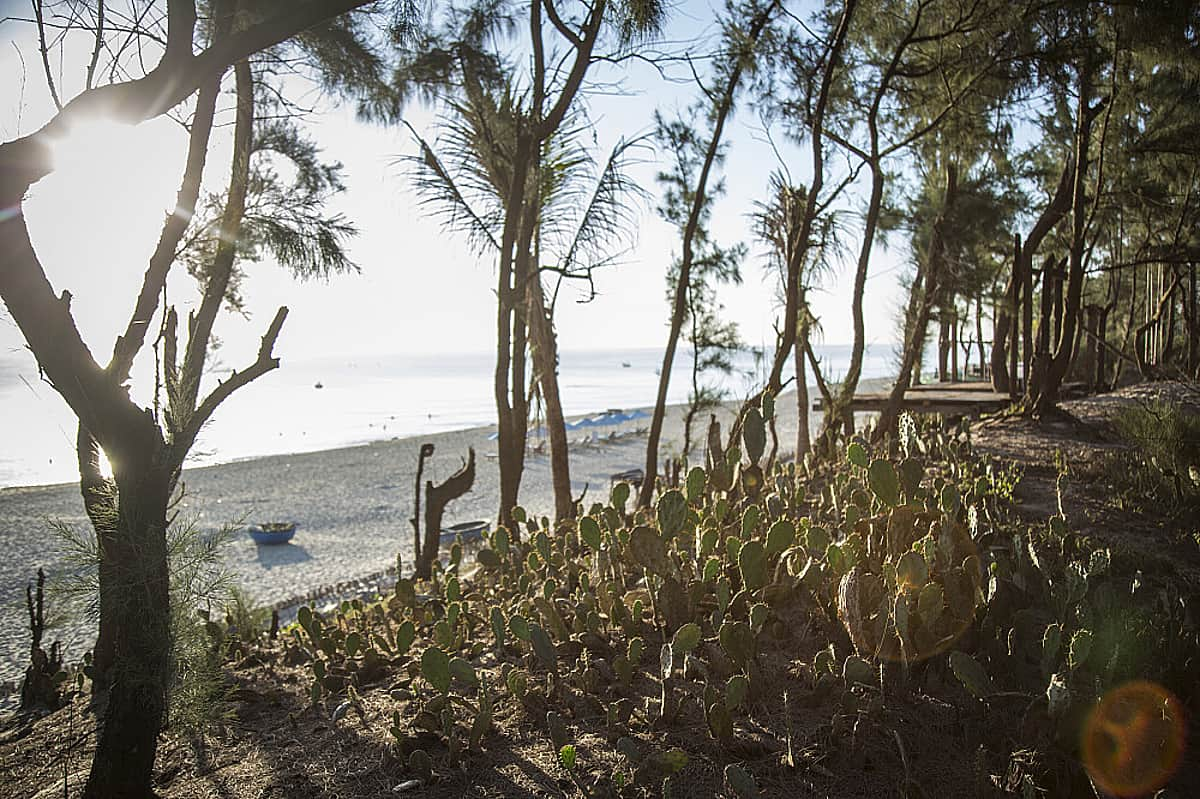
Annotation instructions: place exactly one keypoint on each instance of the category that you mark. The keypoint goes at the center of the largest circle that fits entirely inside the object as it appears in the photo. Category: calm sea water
(358, 400)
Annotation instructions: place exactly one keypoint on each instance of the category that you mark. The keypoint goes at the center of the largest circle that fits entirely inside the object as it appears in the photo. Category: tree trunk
(509, 460)
(523, 272)
(1041, 354)
(1147, 350)
(827, 398)
(794, 303)
(803, 434)
(979, 336)
(1014, 308)
(99, 502)
(679, 305)
(925, 287)
(436, 499)
(943, 346)
(1001, 351)
(1027, 344)
(1090, 348)
(1047, 398)
(545, 362)
(1100, 375)
(137, 692)
(954, 374)
(1193, 356)
(1172, 318)
(1056, 329)
(425, 452)
(854, 368)
(1050, 216)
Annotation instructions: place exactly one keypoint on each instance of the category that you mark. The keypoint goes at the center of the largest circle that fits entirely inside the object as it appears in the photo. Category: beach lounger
(633, 476)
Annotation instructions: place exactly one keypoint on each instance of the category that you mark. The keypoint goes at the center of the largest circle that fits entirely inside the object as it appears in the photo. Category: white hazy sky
(95, 221)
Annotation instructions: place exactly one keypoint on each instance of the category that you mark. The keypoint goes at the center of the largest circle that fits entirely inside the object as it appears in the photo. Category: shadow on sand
(272, 555)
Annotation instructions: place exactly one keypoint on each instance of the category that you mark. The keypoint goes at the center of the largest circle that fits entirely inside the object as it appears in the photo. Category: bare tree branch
(91, 70)
(179, 73)
(265, 362)
(45, 51)
(562, 27)
(128, 345)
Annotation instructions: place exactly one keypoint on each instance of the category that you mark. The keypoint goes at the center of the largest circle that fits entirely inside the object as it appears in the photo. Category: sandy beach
(352, 504)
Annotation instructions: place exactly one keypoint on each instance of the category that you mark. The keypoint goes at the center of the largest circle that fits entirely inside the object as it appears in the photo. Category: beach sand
(352, 505)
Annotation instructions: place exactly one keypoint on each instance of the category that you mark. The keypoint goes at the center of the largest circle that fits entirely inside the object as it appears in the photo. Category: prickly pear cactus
(754, 434)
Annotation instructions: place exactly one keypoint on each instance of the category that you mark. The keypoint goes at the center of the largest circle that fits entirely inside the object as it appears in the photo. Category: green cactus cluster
(853, 572)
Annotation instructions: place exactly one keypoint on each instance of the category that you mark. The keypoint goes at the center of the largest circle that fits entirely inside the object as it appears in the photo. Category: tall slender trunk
(1172, 318)
(927, 285)
(1002, 350)
(1010, 322)
(508, 484)
(979, 335)
(1026, 317)
(523, 272)
(793, 288)
(1148, 348)
(803, 433)
(854, 368)
(693, 408)
(1193, 324)
(1047, 398)
(955, 376)
(943, 346)
(1100, 375)
(1056, 328)
(823, 444)
(545, 360)
(506, 340)
(679, 304)
(1047, 220)
(1041, 354)
(1091, 324)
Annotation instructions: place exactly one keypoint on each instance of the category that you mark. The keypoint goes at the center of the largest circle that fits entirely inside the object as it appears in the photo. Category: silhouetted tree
(146, 451)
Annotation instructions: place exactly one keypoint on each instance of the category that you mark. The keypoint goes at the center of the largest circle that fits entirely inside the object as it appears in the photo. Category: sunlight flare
(93, 146)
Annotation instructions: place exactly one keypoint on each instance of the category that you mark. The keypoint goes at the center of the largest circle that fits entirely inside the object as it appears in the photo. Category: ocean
(329, 402)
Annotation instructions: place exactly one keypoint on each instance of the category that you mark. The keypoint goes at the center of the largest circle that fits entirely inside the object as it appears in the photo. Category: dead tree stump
(436, 499)
(39, 689)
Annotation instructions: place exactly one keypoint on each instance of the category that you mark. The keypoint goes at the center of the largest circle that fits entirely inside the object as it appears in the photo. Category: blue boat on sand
(272, 532)
(467, 532)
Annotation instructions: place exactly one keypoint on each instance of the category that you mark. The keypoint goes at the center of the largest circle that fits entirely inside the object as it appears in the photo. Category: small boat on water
(272, 532)
(467, 533)
(626, 364)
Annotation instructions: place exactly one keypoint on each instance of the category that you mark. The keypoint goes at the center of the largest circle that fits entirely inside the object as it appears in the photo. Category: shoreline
(353, 505)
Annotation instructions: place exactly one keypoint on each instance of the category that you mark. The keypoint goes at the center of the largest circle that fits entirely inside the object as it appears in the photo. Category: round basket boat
(272, 532)
(467, 532)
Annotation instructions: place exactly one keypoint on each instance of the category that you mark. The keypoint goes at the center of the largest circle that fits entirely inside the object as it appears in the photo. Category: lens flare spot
(1133, 739)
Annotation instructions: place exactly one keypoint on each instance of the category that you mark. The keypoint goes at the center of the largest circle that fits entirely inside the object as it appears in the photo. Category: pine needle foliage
(199, 581)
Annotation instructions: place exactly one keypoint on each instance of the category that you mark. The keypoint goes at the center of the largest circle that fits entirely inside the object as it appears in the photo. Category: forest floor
(1090, 449)
(931, 739)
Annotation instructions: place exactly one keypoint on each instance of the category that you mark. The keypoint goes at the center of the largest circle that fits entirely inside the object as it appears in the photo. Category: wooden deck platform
(971, 398)
(962, 385)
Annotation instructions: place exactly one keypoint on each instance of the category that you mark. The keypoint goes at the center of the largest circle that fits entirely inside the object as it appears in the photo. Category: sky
(95, 221)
